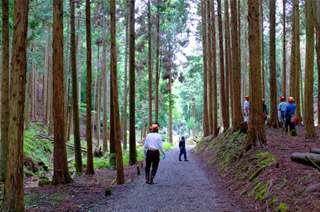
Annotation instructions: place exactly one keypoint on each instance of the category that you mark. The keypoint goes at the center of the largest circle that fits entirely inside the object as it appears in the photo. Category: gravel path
(181, 186)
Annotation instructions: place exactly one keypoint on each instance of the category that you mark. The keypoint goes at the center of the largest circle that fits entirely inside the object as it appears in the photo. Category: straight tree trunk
(316, 11)
(132, 129)
(125, 95)
(293, 52)
(45, 81)
(256, 130)
(149, 66)
(284, 56)
(170, 96)
(99, 112)
(245, 63)
(309, 119)
(5, 73)
(298, 62)
(272, 59)
(157, 64)
(31, 84)
(114, 85)
(227, 57)
(210, 95)
(27, 103)
(90, 169)
(13, 199)
(75, 100)
(225, 115)
(60, 173)
(262, 50)
(205, 71)
(214, 72)
(236, 72)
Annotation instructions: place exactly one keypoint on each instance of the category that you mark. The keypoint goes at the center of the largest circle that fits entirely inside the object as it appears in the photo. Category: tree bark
(75, 100)
(308, 102)
(5, 73)
(272, 69)
(132, 128)
(205, 71)
(116, 118)
(293, 52)
(210, 95)
(298, 63)
(149, 66)
(90, 169)
(227, 57)
(13, 199)
(256, 130)
(262, 50)
(316, 6)
(225, 115)
(236, 72)
(284, 56)
(214, 72)
(157, 64)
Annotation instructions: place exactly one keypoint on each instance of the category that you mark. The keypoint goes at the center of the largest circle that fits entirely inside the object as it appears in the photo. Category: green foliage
(282, 207)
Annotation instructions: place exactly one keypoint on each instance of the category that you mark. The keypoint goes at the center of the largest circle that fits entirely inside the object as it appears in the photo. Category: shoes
(180, 159)
(186, 160)
(147, 179)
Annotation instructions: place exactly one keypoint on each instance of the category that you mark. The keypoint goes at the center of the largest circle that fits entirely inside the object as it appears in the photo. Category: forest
(83, 81)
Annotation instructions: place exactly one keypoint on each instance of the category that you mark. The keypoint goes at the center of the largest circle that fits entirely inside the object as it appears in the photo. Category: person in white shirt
(246, 109)
(151, 150)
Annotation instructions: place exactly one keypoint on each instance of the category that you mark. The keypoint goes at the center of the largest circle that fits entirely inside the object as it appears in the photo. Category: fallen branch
(311, 161)
(67, 144)
(315, 150)
(302, 158)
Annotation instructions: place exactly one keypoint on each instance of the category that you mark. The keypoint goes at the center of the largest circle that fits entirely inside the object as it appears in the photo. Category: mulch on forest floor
(295, 185)
(84, 193)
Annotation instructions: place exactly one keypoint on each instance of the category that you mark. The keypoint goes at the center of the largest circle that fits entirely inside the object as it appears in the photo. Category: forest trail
(181, 186)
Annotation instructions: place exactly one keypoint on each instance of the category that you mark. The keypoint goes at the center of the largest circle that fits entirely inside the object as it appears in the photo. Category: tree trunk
(316, 6)
(236, 72)
(293, 51)
(116, 119)
(27, 103)
(132, 128)
(170, 95)
(256, 130)
(262, 50)
(205, 70)
(210, 95)
(157, 64)
(149, 66)
(284, 56)
(60, 174)
(272, 59)
(309, 119)
(227, 58)
(90, 169)
(214, 73)
(31, 87)
(98, 112)
(45, 81)
(225, 115)
(13, 199)
(298, 63)
(5, 73)
(75, 100)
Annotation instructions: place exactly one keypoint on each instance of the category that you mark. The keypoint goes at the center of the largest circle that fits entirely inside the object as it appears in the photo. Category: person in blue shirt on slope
(281, 108)
(289, 114)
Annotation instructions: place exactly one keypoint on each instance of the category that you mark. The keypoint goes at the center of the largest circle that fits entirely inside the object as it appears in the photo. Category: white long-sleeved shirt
(153, 141)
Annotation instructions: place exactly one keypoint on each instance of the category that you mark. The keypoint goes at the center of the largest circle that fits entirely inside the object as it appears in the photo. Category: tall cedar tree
(316, 11)
(149, 66)
(157, 64)
(13, 199)
(4, 89)
(214, 71)
(298, 62)
(210, 95)
(114, 84)
(236, 75)
(205, 70)
(170, 94)
(284, 72)
(90, 169)
(293, 52)
(132, 129)
(60, 172)
(224, 111)
(256, 131)
(75, 100)
(309, 120)
(272, 69)
(262, 50)
(227, 57)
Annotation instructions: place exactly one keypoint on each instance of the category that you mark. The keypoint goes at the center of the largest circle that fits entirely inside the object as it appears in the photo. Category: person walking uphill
(281, 108)
(246, 109)
(182, 147)
(289, 114)
(151, 150)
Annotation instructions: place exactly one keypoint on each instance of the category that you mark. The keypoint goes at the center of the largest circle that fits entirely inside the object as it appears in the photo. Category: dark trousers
(289, 123)
(183, 151)
(153, 158)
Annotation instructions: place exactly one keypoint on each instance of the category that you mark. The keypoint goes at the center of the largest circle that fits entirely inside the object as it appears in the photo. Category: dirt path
(181, 186)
